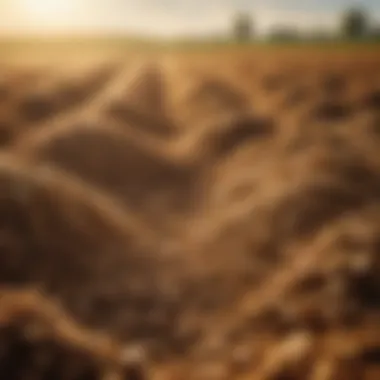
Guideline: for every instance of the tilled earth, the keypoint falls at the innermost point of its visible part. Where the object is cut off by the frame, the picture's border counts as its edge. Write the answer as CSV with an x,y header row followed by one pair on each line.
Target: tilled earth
x,y
191,216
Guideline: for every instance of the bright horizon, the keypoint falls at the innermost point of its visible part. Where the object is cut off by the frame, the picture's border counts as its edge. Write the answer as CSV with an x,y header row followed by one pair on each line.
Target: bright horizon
x,y
168,18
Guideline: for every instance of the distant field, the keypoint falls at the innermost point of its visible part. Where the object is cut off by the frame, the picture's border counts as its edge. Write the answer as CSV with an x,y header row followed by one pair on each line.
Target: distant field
x,y
213,210
47,51
111,43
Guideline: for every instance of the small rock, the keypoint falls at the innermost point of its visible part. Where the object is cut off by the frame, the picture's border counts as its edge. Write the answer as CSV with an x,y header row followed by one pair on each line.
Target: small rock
x,y
290,359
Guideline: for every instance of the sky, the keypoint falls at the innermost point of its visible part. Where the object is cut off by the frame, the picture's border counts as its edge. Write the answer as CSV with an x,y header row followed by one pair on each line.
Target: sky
x,y
169,18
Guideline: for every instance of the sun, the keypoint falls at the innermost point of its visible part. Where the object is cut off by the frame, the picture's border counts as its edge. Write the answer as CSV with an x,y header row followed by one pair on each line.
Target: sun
x,y
48,10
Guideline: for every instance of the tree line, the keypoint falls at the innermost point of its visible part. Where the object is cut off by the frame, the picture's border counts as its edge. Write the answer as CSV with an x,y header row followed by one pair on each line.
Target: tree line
x,y
355,24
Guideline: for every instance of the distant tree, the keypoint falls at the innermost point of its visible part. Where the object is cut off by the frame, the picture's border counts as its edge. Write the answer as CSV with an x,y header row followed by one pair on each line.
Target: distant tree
x,y
243,27
284,34
319,35
375,33
355,23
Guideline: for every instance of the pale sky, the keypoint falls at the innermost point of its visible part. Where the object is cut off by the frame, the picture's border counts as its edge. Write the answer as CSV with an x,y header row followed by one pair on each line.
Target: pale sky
x,y
168,18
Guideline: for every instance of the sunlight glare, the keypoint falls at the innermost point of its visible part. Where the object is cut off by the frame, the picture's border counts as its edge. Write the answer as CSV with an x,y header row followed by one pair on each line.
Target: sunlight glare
x,y
47,10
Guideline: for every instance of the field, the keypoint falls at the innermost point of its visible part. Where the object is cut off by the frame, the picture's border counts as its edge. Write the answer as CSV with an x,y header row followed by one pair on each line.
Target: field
x,y
197,214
